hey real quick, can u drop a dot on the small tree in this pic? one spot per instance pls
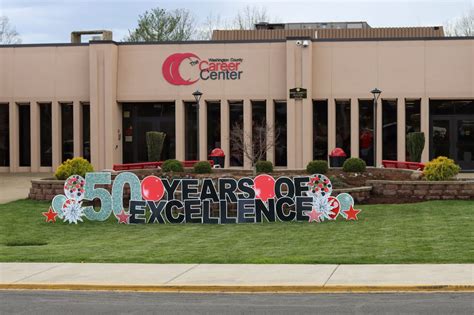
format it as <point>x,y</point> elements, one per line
<point>415,145</point>
<point>8,33</point>
<point>462,26</point>
<point>253,145</point>
<point>154,142</point>
<point>161,25</point>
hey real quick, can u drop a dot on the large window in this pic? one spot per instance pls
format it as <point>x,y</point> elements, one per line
<point>24,133</point>
<point>366,131</point>
<point>259,127</point>
<point>86,131</point>
<point>389,129</point>
<point>320,130</point>
<point>138,119</point>
<point>236,109</point>
<point>67,131</point>
<point>412,119</point>
<point>343,125</point>
<point>4,135</point>
<point>213,126</point>
<point>46,150</point>
<point>191,130</point>
<point>280,133</point>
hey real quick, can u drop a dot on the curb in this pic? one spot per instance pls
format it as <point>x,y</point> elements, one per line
<point>240,289</point>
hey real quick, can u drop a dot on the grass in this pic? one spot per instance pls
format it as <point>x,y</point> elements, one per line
<point>428,232</point>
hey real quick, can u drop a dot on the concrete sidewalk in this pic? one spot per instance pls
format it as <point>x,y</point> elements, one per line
<point>237,278</point>
<point>14,186</point>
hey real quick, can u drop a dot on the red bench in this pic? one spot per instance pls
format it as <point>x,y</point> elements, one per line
<point>150,165</point>
<point>404,165</point>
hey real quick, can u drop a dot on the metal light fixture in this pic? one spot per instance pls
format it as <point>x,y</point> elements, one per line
<point>197,96</point>
<point>376,93</point>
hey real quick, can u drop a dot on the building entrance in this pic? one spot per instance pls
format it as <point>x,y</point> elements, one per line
<point>452,131</point>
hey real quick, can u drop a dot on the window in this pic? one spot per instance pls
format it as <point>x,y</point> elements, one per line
<point>86,131</point>
<point>366,131</point>
<point>67,131</point>
<point>389,130</point>
<point>259,127</point>
<point>191,130</point>
<point>280,130</point>
<point>236,109</point>
<point>24,133</point>
<point>4,135</point>
<point>213,126</point>
<point>412,119</point>
<point>343,125</point>
<point>46,149</point>
<point>320,130</point>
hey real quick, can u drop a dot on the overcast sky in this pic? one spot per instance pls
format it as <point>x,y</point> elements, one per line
<point>51,21</point>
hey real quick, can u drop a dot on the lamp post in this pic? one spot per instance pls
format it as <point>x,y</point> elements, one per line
<point>197,96</point>
<point>376,93</point>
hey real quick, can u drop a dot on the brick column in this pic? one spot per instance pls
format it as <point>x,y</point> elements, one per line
<point>180,130</point>
<point>35,135</point>
<point>270,120</point>
<point>56,134</point>
<point>225,131</point>
<point>425,127</point>
<point>247,132</point>
<point>203,131</point>
<point>331,124</point>
<point>77,123</point>
<point>14,137</point>
<point>401,129</point>
<point>378,160</point>
<point>354,127</point>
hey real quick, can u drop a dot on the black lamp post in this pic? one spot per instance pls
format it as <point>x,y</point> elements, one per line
<point>197,96</point>
<point>376,93</point>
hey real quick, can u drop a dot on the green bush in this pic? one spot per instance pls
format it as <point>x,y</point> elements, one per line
<point>355,165</point>
<point>75,166</point>
<point>172,166</point>
<point>154,143</point>
<point>317,167</point>
<point>415,145</point>
<point>264,167</point>
<point>202,167</point>
<point>440,168</point>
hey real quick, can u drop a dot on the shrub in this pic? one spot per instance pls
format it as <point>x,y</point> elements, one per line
<point>154,143</point>
<point>202,167</point>
<point>355,165</point>
<point>440,168</point>
<point>415,145</point>
<point>317,167</point>
<point>264,167</point>
<point>172,166</point>
<point>75,166</point>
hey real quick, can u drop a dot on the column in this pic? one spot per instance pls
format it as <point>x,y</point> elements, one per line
<point>247,133</point>
<point>378,159</point>
<point>331,124</point>
<point>180,130</point>
<point>77,118</point>
<point>354,127</point>
<point>203,154</point>
<point>35,134</point>
<point>401,129</point>
<point>425,127</point>
<point>290,132</point>
<point>225,130</point>
<point>56,133</point>
<point>270,120</point>
<point>14,137</point>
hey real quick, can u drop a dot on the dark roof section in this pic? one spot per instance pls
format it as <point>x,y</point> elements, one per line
<point>366,33</point>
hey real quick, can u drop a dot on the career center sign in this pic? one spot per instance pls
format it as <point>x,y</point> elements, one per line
<point>187,200</point>
<point>200,69</point>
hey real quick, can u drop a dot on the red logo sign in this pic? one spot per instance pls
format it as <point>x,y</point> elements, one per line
<point>171,66</point>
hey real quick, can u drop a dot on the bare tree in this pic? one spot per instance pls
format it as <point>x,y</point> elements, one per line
<point>161,25</point>
<point>253,145</point>
<point>212,22</point>
<point>249,16</point>
<point>8,33</point>
<point>462,26</point>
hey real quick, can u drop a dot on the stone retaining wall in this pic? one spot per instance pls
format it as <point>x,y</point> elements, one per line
<point>360,194</point>
<point>423,190</point>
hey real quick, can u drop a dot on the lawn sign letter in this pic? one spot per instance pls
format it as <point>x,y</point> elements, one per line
<point>187,200</point>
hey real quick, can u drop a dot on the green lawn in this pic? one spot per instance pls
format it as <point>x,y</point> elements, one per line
<point>428,232</point>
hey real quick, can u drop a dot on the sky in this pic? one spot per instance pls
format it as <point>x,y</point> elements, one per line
<point>51,21</point>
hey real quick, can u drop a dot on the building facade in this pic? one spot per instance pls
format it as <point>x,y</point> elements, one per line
<point>99,99</point>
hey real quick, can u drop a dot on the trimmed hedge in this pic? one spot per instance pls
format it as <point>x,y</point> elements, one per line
<point>440,168</point>
<point>317,167</point>
<point>203,167</point>
<point>354,165</point>
<point>75,166</point>
<point>172,166</point>
<point>264,167</point>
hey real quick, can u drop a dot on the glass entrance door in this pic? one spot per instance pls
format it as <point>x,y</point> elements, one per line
<point>453,136</point>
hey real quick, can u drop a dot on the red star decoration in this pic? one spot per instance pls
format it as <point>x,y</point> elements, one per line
<point>123,217</point>
<point>352,213</point>
<point>50,215</point>
<point>314,215</point>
